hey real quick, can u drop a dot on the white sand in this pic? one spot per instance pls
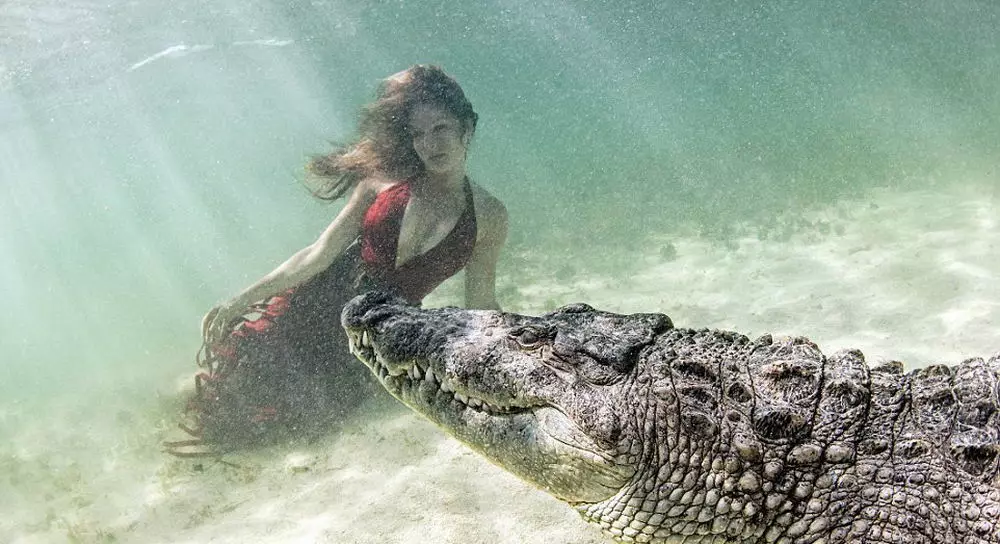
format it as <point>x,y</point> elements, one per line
<point>901,276</point>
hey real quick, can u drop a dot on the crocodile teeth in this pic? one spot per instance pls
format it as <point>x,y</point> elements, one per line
<point>361,346</point>
<point>366,340</point>
<point>414,373</point>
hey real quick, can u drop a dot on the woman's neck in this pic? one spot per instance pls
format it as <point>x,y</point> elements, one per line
<point>440,184</point>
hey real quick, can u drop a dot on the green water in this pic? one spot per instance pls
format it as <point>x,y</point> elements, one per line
<point>139,189</point>
<point>151,153</point>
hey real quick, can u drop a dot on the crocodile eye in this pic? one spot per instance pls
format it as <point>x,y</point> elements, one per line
<point>528,337</point>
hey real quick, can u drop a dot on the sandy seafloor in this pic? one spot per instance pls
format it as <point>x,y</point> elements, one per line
<point>911,276</point>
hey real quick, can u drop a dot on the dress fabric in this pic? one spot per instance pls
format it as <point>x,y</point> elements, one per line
<point>417,277</point>
<point>285,370</point>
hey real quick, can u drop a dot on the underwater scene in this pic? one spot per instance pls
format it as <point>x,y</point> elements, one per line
<point>793,168</point>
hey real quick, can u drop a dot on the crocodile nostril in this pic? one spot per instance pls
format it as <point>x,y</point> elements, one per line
<point>369,308</point>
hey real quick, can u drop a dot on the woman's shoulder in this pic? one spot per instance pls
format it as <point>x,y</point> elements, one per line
<point>485,200</point>
<point>369,187</point>
<point>490,210</point>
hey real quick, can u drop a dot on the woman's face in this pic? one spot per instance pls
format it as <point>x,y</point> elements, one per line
<point>439,139</point>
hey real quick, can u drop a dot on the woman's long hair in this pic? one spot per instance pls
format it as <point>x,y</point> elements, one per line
<point>384,144</point>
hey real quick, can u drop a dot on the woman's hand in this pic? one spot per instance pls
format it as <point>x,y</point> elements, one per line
<point>217,322</point>
<point>300,267</point>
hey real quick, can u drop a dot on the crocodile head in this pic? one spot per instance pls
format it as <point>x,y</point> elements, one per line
<point>539,396</point>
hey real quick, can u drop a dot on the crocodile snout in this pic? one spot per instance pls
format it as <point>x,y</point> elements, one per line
<point>368,309</point>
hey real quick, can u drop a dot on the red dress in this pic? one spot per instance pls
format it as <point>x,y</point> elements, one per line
<point>285,370</point>
<point>417,277</point>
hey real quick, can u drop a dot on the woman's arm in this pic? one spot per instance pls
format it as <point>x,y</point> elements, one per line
<point>480,272</point>
<point>303,265</point>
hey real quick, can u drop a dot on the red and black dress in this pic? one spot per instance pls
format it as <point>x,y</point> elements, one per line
<point>285,370</point>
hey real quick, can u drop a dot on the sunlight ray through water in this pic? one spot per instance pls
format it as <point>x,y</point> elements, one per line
<point>816,168</point>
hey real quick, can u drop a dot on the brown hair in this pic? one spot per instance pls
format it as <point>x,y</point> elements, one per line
<point>384,143</point>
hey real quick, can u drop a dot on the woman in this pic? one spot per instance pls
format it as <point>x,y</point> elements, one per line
<point>281,367</point>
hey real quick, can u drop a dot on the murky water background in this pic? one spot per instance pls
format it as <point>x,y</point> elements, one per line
<point>151,153</point>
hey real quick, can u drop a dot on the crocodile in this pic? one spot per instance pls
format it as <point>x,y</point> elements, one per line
<point>667,435</point>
